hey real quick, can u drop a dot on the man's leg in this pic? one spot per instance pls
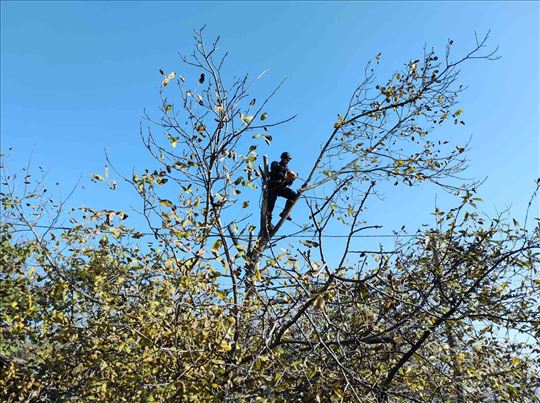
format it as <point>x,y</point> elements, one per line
<point>291,196</point>
<point>272,196</point>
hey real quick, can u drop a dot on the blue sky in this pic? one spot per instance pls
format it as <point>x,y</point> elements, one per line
<point>77,76</point>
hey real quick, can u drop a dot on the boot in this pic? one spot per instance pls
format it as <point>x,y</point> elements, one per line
<point>288,217</point>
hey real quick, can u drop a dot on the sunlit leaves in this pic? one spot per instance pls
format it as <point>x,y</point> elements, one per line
<point>166,203</point>
<point>164,311</point>
<point>339,122</point>
<point>173,140</point>
<point>246,119</point>
<point>166,77</point>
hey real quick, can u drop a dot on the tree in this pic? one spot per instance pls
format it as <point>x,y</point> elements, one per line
<point>214,307</point>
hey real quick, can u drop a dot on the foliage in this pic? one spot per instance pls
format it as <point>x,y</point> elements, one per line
<point>210,308</point>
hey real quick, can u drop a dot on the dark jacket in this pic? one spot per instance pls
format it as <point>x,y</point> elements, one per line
<point>278,173</point>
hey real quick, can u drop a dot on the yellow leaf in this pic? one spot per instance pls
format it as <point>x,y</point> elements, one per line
<point>225,346</point>
<point>221,295</point>
<point>166,203</point>
<point>104,241</point>
<point>171,75</point>
<point>216,245</point>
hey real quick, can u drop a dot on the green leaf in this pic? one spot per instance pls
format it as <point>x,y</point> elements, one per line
<point>362,291</point>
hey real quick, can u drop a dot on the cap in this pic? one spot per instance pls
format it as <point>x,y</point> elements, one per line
<point>286,155</point>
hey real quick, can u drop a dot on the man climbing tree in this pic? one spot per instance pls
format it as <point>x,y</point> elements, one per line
<point>280,180</point>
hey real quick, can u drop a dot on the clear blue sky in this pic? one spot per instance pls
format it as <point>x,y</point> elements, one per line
<point>76,76</point>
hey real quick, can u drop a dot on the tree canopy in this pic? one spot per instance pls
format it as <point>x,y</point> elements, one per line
<point>203,304</point>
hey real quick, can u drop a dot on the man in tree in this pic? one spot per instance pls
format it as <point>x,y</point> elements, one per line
<point>278,185</point>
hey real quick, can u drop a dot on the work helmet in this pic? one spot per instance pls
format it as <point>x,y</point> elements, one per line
<point>286,155</point>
